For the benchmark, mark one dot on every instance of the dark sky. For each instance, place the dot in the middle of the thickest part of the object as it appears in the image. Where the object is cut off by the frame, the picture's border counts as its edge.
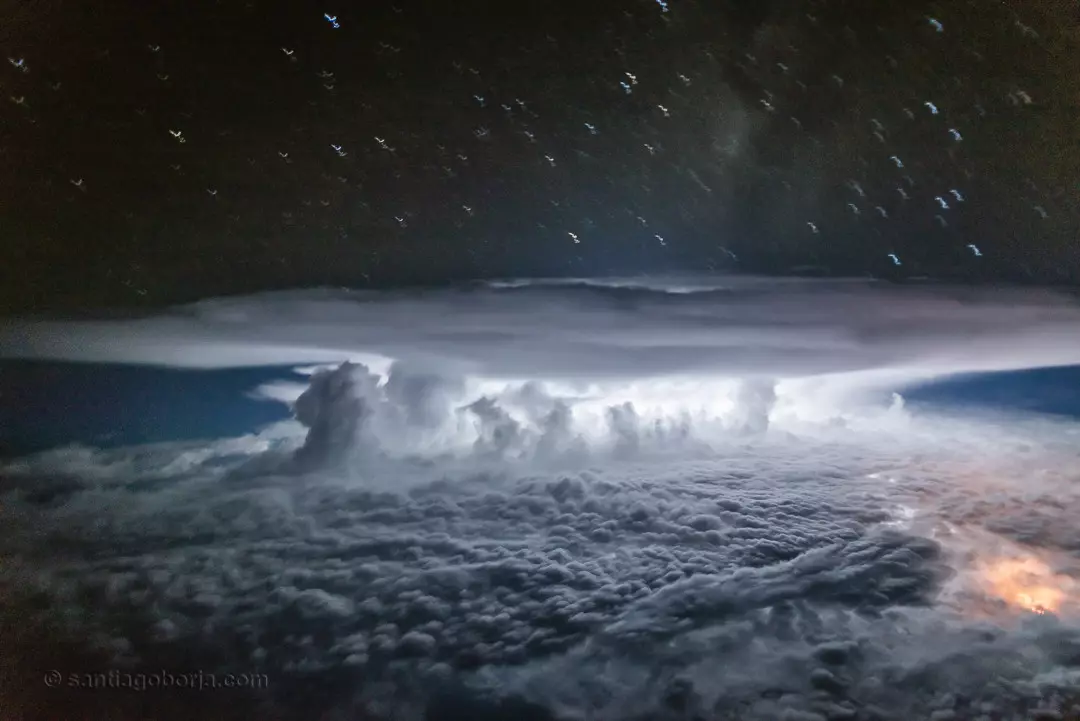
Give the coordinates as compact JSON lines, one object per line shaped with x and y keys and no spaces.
{"x":155,"y":152}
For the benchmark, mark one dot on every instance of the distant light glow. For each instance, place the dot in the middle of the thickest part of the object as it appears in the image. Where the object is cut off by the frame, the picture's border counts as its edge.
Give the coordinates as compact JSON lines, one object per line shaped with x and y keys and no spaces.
{"x":1029,"y":583}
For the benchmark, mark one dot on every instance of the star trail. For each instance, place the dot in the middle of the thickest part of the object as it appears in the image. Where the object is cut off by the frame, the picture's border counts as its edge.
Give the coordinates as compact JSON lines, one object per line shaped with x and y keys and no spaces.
{"x":153,"y":153}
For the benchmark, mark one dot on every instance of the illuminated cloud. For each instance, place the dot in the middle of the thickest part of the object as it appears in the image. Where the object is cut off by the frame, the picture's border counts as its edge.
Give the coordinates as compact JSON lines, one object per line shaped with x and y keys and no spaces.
{"x":615,"y":503}
{"x":593,"y":330}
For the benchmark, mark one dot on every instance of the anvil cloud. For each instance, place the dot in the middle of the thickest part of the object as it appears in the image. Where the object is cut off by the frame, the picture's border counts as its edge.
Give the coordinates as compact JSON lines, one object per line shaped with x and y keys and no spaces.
{"x":581,"y":501}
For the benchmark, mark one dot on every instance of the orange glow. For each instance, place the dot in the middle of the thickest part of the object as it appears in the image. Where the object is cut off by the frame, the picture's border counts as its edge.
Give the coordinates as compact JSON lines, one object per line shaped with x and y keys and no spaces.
{"x":1027,"y":583}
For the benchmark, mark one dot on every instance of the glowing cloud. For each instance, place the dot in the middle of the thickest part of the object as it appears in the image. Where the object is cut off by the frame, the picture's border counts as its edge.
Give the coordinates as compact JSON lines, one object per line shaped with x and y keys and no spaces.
{"x":738,"y":327}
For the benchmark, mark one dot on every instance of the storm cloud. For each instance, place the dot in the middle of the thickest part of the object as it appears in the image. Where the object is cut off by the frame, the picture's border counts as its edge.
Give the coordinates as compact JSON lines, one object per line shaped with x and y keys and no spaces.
{"x":586,"y":329}
{"x":505,"y":505}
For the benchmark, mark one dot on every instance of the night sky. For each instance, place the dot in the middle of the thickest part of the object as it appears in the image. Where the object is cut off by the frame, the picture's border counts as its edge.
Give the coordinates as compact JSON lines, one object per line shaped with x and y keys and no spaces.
{"x":157,"y":152}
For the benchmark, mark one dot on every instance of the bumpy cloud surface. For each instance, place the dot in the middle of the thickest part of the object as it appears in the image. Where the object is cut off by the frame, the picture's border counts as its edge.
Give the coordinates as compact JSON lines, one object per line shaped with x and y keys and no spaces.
{"x":458,"y":522}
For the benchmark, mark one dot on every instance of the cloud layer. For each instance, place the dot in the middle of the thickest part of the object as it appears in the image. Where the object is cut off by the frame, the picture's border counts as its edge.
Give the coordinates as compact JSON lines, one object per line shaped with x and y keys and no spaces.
{"x":783,"y":577}
{"x":451,"y":529}
{"x":634,"y":328}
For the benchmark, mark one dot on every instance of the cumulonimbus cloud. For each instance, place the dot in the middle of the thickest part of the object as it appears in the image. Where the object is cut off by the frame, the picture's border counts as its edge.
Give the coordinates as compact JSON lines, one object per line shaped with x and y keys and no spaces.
{"x":736,"y":326}
{"x":608,"y":501}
